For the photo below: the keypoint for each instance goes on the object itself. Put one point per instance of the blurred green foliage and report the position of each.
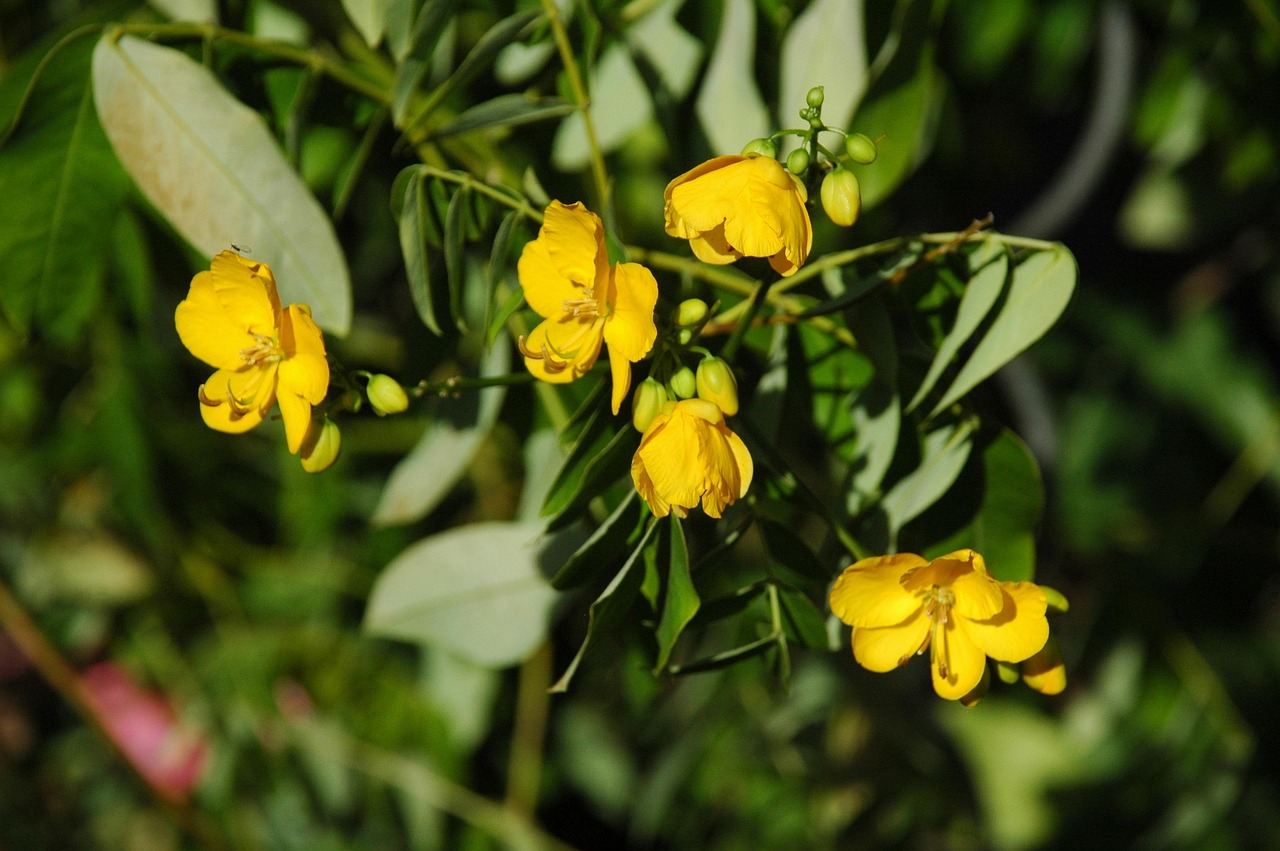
(1143, 439)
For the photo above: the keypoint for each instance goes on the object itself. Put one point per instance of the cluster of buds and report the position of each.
(323, 442)
(840, 193)
(713, 381)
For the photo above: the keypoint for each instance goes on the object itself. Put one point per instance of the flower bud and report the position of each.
(798, 161)
(647, 403)
(683, 383)
(1046, 672)
(761, 147)
(690, 312)
(814, 97)
(1008, 672)
(321, 446)
(1055, 599)
(860, 148)
(386, 395)
(841, 197)
(716, 383)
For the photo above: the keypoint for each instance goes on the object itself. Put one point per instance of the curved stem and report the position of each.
(580, 97)
(487, 189)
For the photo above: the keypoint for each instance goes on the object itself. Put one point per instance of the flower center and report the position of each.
(938, 601)
(264, 350)
(585, 306)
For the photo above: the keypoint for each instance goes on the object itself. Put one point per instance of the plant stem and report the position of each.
(580, 97)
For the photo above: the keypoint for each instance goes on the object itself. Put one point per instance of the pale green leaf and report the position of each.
(729, 105)
(902, 123)
(824, 46)
(427, 474)
(943, 455)
(1041, 287)
(369, 18)
(504, 111)
(680, 602)
(876, 411)
(989, 267)
(199, 11)
(209, 164)
(620, 103)
(669, 47)
(475, 591)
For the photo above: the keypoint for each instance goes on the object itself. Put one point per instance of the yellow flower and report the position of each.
(264, 353)
(902, 605)
(731, 207)
(688, 455)
(567, 280)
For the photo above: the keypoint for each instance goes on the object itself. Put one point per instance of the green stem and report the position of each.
(486, 189)
(583, 102)
(524, 766)
(757, 300)
(458, 383)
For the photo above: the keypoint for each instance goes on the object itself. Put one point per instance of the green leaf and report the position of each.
(416, 223)
(369, 18)
(607, 542)
(426, 475)
(989, 267)
(602, 469)
(494, 271)
(943, 455)
(514, 299)
(62, 183)
(1012, 500)
(427, 29)
(680, 602)
(801, 619)
(813, 56)
(876, 413)
(504, 111)
(902, 123)
(432, 593)
(620, 103)
(729, 106)
(790, 550)
(1041, 287)
(726, 658)
(454, 240)
(607, 611)
(209, 165)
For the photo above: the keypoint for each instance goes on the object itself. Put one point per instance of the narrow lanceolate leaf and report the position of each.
(1041, 287)
(902, 123)
(504, 111)
(432, 593)
(607, 611)
(417, 225)
(607, 542)
(209, 164)
(730, 107)
(877, 411)
(369, 17)
(495, 269)
(991, 265)
(454, 243)
(603, 468)
(61, 184)
(422, 41)
(681, 601)
(943, 455)
(814, 55)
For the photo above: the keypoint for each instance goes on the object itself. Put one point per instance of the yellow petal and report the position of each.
(574, 238)
(711, 247)
(1018, 630)
(205, 327)
(869, 593)
(962, 660)
(640, 476)
(677, 223)
(305, 369)
(882, 649)
(721, 483)
(247, 291)
(545, 287)
(620, 369)
(1045, 671)
(669, 453)
(572, 346)
(297, 419)
(235, 401)
(746, 468)
(630, 330)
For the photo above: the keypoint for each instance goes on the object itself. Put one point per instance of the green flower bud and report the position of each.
(798, 161)
(1056, 599)
(1008, 672)
(321, 446)
(860, 148)
(647, 403)
(683, 383)
(814, 97)
(761, 147)
(841, 197)
(386, 395)
(716, 383)
(691, 312)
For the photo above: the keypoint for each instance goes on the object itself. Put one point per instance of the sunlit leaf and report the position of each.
(369, 17)
(990, 270)
(432, 593)
(680, 599)
(901, 122)
(208, 163)
(1041, 287)
(824, 46)
(729, 105)
(620, 102)
(427, 474)
(674, 53)
(943, 454)
(876, 413)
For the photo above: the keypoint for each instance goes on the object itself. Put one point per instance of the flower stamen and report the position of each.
(265, 350)
(552, 363)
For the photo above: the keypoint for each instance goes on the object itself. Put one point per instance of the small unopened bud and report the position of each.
(683, 383)
(815, 97)
(798, 161)
(321, 446)
(716, 383)
(1055, 599)
(1008, 672)
(386, 395)
(690, 312)
(841, 197)
(647, 403)
(860, 148)
(1046, 672)
(760, 147)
